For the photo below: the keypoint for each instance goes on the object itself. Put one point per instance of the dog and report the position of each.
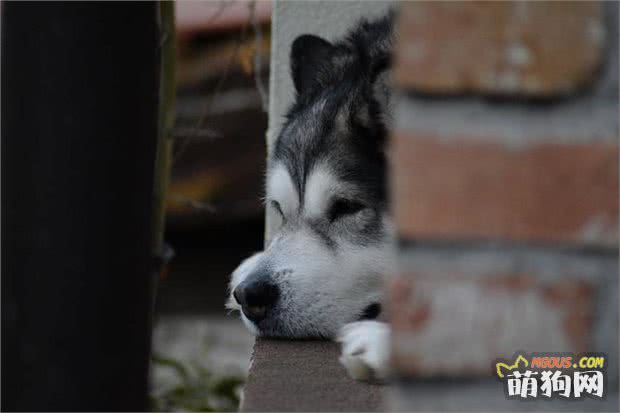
(322, 274)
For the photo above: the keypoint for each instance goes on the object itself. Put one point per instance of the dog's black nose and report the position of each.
(256, 297)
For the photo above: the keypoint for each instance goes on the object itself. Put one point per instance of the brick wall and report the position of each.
(505, 186)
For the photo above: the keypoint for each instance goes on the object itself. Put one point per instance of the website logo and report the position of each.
(553, 375)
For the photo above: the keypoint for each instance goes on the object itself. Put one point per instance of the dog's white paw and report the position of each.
(365, 349)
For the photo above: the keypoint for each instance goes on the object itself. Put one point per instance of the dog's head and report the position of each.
(325, 194)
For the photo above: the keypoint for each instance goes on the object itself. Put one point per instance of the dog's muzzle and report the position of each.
(256, 296)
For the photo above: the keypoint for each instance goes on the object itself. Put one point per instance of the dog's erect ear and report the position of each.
(308, 54)
(382, 93)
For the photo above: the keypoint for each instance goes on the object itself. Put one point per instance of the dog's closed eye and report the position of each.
(276, 205)
(342, 207)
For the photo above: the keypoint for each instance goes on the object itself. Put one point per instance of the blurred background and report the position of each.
(214, 212)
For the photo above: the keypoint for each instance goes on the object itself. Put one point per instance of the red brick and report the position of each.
(470, 189)
(455, 325)
(525, 48)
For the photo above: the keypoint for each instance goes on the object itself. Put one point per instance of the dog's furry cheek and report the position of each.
(365, 350)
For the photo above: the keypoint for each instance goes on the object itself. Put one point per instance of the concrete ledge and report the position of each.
(304, 376)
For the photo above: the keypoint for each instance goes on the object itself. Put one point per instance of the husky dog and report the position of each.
(322, 274)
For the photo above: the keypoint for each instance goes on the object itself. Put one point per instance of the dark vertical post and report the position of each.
(79, 129)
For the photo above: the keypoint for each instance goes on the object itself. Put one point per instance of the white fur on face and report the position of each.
(321, 290)
(320, 187)
(281, 189)
(322, 287)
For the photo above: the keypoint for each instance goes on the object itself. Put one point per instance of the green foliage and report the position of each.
(197, 389)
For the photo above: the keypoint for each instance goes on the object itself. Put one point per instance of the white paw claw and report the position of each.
(365, 350)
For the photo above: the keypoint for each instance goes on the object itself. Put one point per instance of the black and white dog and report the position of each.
(322, 274)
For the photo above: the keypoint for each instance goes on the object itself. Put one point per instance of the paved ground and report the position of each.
(221, 345)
